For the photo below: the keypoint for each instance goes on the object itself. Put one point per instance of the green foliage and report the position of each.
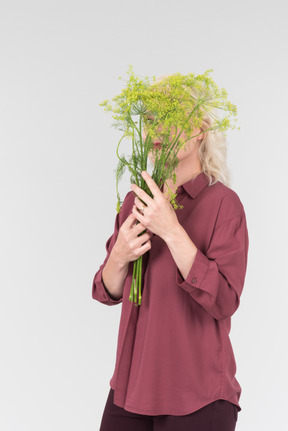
(121, 167)
(163, 110)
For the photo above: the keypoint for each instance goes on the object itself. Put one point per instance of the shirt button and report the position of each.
(194, 280)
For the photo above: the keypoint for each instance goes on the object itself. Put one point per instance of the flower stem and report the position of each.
(136, 282)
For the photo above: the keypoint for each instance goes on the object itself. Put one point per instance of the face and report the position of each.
(189, 149)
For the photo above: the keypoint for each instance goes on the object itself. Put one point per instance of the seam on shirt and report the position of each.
(205, 275)
(215, 222)
(240, 216)
(221, 322)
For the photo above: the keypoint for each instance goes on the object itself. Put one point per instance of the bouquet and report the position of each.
(147, 109)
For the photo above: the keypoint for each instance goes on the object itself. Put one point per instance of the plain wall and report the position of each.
(58, 61)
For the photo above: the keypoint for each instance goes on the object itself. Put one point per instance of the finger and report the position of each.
(141, 194)
(139, 204)
(145, 247)
(143, 238)
(146, 235)
(151, 184)
(138, 228)
(130, 220)
(138, 215)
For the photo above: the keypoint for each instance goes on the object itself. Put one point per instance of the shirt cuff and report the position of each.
(196, 279)
(101, 293)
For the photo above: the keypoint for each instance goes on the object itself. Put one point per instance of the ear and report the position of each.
(200, 137)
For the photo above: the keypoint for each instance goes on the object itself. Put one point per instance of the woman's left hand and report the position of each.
(159, 215)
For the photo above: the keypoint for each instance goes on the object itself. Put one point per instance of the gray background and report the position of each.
(59, 60)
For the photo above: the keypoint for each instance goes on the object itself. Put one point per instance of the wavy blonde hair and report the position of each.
(212, 151)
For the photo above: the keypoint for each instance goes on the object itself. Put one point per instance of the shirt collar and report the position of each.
(196, 185)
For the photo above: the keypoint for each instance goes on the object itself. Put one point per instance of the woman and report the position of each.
(175, 367)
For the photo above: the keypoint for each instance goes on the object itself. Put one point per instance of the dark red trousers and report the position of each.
(221, 415)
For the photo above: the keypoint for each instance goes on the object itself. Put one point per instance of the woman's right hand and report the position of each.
(129, 246)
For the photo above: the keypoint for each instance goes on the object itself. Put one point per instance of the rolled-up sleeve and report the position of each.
(99, 291)
(216, 278)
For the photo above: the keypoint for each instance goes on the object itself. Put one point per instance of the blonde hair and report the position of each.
(212, 151)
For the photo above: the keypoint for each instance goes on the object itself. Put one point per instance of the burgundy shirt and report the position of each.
(174, 354)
